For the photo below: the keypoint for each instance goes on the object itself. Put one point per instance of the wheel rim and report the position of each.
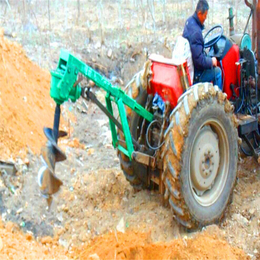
(209, 162)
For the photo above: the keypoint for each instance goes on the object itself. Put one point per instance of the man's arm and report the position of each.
(200, 60)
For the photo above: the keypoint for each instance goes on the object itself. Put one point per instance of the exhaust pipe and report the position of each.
(231, 21)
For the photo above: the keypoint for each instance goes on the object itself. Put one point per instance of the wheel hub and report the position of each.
(205, 160)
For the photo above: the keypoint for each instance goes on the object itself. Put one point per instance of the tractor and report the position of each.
(178, 137)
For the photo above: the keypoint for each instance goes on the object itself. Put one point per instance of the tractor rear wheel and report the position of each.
(200, 156)
(130, 169)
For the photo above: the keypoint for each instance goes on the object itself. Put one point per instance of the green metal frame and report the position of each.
(63, 88)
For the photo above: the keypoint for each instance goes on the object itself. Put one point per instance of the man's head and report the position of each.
(202, 10)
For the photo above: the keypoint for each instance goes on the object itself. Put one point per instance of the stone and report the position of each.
(109, 53)
(121, 225)
(46, 240)
(240, 219)
(94, 257)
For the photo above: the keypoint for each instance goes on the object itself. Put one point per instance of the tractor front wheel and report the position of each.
(200, 156)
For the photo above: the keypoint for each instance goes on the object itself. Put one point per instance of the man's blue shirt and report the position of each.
(193, 33)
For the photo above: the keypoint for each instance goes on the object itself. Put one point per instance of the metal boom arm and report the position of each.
(63, 88)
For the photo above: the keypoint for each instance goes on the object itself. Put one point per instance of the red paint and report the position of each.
(166, 82)
(166, 78)
(231, 71)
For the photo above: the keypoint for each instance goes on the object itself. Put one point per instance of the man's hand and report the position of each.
(214, 61)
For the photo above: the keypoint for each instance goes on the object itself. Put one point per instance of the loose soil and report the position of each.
(25, 106)
(16, 245)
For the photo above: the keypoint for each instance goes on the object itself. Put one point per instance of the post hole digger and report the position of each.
(179, 138)
(63, 88)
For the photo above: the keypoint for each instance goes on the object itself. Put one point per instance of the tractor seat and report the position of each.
(182, 51)
(161, 59)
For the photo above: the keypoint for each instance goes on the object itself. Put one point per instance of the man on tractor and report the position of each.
(205, 68)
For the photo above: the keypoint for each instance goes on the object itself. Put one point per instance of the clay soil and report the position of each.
(96, 214)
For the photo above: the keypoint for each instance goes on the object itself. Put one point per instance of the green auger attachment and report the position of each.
(62, 90)
(64, 86)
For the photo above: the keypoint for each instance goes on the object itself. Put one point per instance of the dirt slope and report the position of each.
(25, 105)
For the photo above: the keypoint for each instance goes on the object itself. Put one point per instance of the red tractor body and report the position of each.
(231, 70)
(168, 79)
(167, 76)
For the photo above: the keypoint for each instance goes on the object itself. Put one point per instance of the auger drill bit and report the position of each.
(51, 153)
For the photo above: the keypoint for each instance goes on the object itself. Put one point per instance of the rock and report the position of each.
(27, 162)
(97, 45)
(19, 211)
(54, 44)
(60, 231)
(90, 151)
(121, 225)
(109, 53)
(60, 217)
(109, 146)
(46, 240)
(65, 208)
(252, 211)
(64, 243)
(28, 236)
(93, 257)
(83, 237)
(240, 219)
(91, 83)
(116, 160)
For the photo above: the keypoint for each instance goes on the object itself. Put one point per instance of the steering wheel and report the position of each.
(214, 38)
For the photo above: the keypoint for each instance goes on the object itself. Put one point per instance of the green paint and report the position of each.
(63, 88)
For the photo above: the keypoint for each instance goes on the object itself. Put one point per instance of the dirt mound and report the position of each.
(133, 245)
(115, 245)
(25, 104)
(15, 245)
